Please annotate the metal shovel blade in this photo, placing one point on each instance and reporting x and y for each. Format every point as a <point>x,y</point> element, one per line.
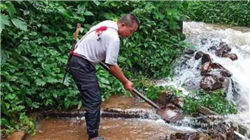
<point>167,114</point>
<point>170,115</point>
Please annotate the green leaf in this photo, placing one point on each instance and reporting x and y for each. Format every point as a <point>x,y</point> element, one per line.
<point>19,24</point>
<point>96,2</point>
<point>104,80</point>
<point>40,82</point>
<point>10,9</point>
<point>4,122</point>
<point>51,80</point>
<point>4,19</point>
<point>88,13</point>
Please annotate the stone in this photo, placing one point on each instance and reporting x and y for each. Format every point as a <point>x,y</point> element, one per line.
<point>164,98</point>
<point>205,68</point>
<point>223,49</point>
<point>210,83</point>
<point>205,58</point>
<point>212,48</point>
<point>189,136</point>
<point>198,55</point>
<point>203,41</point>
<point>223,71</point>
<point>226,73</point>
<point>189,51</point>
<point>167,99</point>
<point>232,56</point>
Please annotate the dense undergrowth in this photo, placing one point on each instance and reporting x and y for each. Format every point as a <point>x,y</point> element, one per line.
<point>235,13</point>
<point>36,37</point>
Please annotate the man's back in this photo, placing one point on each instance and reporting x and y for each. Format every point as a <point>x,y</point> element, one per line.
<point>107,47</point>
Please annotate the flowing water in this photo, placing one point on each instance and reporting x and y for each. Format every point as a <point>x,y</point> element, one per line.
<point>203,36</point>
<point>111,129</point>
<point>114,128</point>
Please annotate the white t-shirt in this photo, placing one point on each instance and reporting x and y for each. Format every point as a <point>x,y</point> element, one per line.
<point>107,48</point>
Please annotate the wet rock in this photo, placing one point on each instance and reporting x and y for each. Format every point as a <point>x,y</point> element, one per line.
<point>223,71</point>
<point>211,128</point>
<point>223,49</point>
<point>167,99</point>
<point>217,66</point>
<point>232,56</point>
<point>164,98</point>
<point>212,48</point>
<point>178,102</point>
<point>205,58</point>
<point>211,83</point>
<point>203,41</point>
<point>222,131</point>
<point>189,51</point>
<point>208,67</point>
<point>205,68</point>
<point>189,136</point>
<point>188,56</point>
<point>198,55</point>
<point>226,73</point>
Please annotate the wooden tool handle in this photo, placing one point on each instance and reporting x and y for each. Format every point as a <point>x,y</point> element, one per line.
<point>76,34</point>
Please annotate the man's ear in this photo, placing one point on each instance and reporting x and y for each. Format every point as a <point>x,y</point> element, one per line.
<point>123,24</point>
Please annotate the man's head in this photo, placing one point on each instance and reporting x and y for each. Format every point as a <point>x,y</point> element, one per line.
<point>127,25</point>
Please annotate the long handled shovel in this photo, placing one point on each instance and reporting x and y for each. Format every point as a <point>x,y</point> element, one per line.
<point>165,113</point>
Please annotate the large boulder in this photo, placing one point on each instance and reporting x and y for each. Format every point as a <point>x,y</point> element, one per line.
<point>205,58</point>
<point>211,83</point>
<point>223,71</point>
<point>206,68</point>
<point>223,49</point>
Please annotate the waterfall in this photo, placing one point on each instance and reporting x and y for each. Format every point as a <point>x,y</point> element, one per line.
<point>205,37</point>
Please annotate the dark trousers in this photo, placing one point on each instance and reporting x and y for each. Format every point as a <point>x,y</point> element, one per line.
<point>84,75</point>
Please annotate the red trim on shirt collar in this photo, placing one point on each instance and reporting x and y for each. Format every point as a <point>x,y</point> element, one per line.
<point>101,29</point>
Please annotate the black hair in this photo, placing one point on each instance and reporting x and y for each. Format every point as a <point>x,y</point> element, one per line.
<point>129,20</point>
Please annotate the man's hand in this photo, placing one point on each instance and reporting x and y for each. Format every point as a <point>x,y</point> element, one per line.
<point>128,85</point>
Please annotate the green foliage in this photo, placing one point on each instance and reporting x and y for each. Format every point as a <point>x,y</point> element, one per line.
<point>36,37</point>
<point>224,12</point>
<point>212,100</point>
<point>153,48</point>
<point>147,87</point>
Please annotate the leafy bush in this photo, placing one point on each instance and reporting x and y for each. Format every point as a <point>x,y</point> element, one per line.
<point>213,100</point>
<point>224,12</point>
<point>36,38</point>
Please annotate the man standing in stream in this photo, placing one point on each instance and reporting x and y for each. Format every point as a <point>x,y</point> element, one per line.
<point>100,43</point>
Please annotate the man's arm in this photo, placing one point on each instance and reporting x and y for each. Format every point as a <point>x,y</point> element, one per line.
<point>117,72</point>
